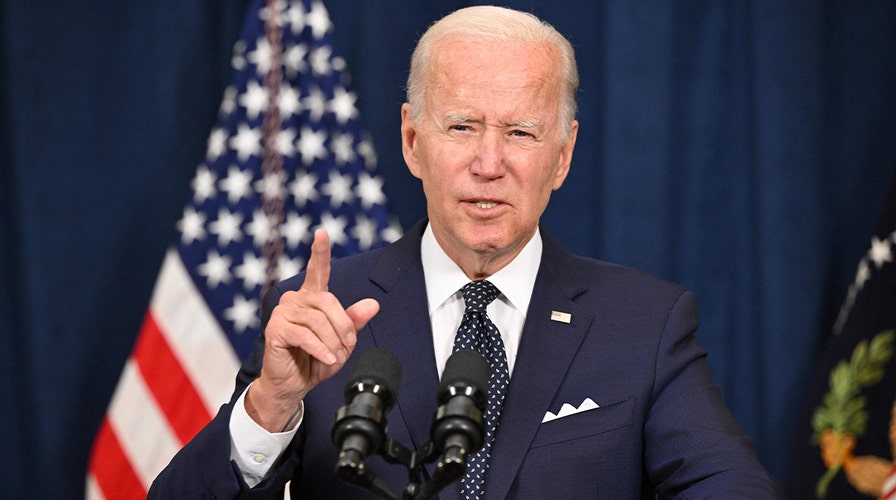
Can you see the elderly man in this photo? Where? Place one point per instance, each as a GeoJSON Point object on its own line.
{"type": "Point", "coordinates": [597, 386]}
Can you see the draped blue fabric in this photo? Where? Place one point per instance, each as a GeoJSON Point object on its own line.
{"type": "Point", "coordinates": [740, 148]}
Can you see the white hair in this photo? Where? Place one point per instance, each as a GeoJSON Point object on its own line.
{"type": "Point", "coordinates": [502, 24]}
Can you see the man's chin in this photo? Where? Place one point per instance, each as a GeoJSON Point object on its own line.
{"type": "Point", "coordinates": [490, 247]}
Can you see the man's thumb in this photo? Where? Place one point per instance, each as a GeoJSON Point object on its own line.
{"type": "Point", "coordinates": [362, 311]}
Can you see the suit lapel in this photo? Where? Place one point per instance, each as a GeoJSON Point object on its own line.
{"type": "Point", "coordinates": [547, 347]}
{"type": "Point", "coordinates": [403, 327]}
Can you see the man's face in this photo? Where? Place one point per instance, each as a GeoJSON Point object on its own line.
{"type": "Point", "coordinates": [488, 147]}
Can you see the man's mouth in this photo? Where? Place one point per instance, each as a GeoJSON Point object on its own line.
{"type": "Point", "coordinates": [485, 204]}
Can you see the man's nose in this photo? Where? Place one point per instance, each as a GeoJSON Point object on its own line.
{"type": "Point", "coordinates": [490, 159]}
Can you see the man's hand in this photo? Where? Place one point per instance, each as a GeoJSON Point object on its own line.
{"type": "Point", "coordinates": [307, 340]}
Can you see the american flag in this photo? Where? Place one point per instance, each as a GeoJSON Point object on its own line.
{"type": "Point", "coordinates": [287, 155]}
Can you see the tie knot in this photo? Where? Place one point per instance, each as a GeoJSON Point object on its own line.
{"type": "Point", "coordinates": [478, 294]}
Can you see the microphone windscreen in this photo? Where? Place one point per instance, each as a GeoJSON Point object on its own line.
{"type": "Point", "coordinates": [379, 365]}
{"type": "Point", "coordinates": [466, 367]}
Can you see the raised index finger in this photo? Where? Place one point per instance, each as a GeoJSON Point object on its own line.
{"type": "Point", "coordinates": [317, 274]}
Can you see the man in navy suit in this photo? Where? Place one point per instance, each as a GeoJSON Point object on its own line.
{"type": "Point", "coordinates": [609, 394]}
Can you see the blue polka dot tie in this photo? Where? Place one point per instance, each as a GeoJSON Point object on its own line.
{"type": "Point", "coordinates": [477, 332]}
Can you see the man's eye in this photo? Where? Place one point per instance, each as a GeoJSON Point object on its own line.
{"type": "Point", "coordinates": [460, 128]}
{"type": "Point", "coordinates": [520, 133]}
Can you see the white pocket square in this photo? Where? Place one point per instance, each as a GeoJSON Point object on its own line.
{"type": "Point", "coordinates": [568, 409]}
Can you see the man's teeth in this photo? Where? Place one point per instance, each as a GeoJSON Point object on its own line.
{"type": "Point", "coordinates": [485, 204]}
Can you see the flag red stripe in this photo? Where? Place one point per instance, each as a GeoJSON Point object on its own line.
{"type": "Point", "coordinates": [111, 467]}
{"type": "Point", "coordinates": [889, 488]}
{"type": "Point", "coordinates": [169, 383]}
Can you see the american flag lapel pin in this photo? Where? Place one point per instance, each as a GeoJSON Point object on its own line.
{"type": "Point", "coordinates": [561, 317]}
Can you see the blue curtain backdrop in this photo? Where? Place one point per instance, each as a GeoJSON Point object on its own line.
{"type": "Point", "coordinates": [741, 148]}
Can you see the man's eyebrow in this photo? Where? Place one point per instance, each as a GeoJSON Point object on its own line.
{"type": "Point", "coordinates": [458, 118]}
{"type": "Point", "coordinates": [531, 123]}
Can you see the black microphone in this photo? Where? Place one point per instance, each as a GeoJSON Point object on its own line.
{"type": "Point", "coordinates": [360, 426]}
{"type": "Point", "coordinates": [458, 430]}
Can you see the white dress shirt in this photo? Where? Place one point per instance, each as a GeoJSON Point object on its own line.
{"type": "Point", "coordinates": [255, 450]}
{"type": "Point", "coordinates": [444, 279]}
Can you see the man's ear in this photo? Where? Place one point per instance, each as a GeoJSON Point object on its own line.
{"type": "Point", "coordinates": [408, 138]}
{"type": "Point", "coordinates": [566, 155]}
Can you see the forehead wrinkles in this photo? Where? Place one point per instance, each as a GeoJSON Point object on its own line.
{"type": "Point", "coordinates": [468, 77]}
{"type": "Point", "coordinates": [502, 65]}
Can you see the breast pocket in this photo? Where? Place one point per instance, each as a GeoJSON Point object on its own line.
{"type": "Point", "coordinates": [600, 420]}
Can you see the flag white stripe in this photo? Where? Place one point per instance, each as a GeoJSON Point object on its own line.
{"type": "Point", "coordinates": [889, 488]}
{"type": "Point", "coordinates": [195, 337]}
{"type": "Point", "coordinates": [144, 433]}
{"type": "Point", "coordinates": [94, 492]}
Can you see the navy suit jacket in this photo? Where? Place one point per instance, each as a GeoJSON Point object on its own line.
{"type": "Point", "coordinates": [661, 426]}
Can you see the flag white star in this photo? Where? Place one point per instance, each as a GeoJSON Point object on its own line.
{"type": "Point", "coordinates": [364, 231]}
{"type": "Point", "coordinates": [287, 267]}
{"type": "Point", "coordinates": [246, 142]}
{"type": "Point", "coordinates": [318, 20]}
{"type": "Point", "coordinates": [191, 226]}
{"type": "Point", "coordinates": [236, 184]}
{"type": "Point", "coordinates": [288, 101]}
{"type": "Point", "coordinates": [227, 227]}
{"type": "Point", "coordinates": [259, 228]}
{"type": "Point", "coordinates": [338, 64]}
{"type": "Point", "coordinates": [215, 269]}
{"type": "Point", "coordinates": [315, 103]}
{"type": "Point", "coordinates": [339, 189]}
{"type": "Point", "coordinates": [881, 252]}
{"type": "Point", "coordinates": [343, 105]}
{"type": "Point", "coordinates": [261, 57]}
{"type": "Point", "coordinates": [203, 184]}
{"type": "Point", "coordinates": [335, 227]}
{"type": "Point", "coordinates": [311, 145]}
{"type": "Point", "coordinates": [296, 229]}
{"type": "Point", "coordinates": [243, 314]}
{"type": "Point", "coordinates": [295, 18]}
{"type": "Point", "coordinates": [270, 187]}
{"type": "Point", "coordinates": [343, 147]}
{"type": "Point", "coordinates": [217, 144]}
{"type": "Point", "coordinates": [228, 103]}
{"type": "Point", "coordinates": [238, 60]}
{"type": "Point", "coordinates": [255, 99]}
{"type": "Point", "coordinates": [391, 233]}
{"type": "Point", "coordinates": [252, 271]}
{"type": "Point", "coordinates": [280, 6]}
{"type": "Point", "coordinates": [320, 60]}
{"type": "Point", "coordinates": [365, 149]}
{"type": "Point", "coordinates": [370, 190]}
{"type": "Point", "coordinates": [284, 142]}
{"type": "Point", "coordinates": [304, 188]}
{"type": "Point", "coordinates": [294, 60]}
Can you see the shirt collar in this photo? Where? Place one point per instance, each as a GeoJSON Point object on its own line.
{"type": "Point", "coordinates": [444, 278]}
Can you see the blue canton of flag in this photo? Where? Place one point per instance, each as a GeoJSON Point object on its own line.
{"type": "Point", "coordinates": [247, 224]}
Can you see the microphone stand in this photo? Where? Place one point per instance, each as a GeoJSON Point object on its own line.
{"type": "Point", "coordinates": [456, 432]}
{"type": "Point", "coordinates": [451, 468]}
{"type": "Point", "coordinates": [351, 468]}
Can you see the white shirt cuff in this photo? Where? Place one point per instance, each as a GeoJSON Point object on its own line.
{"type": "Point", "coordinates": [254, 449]}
